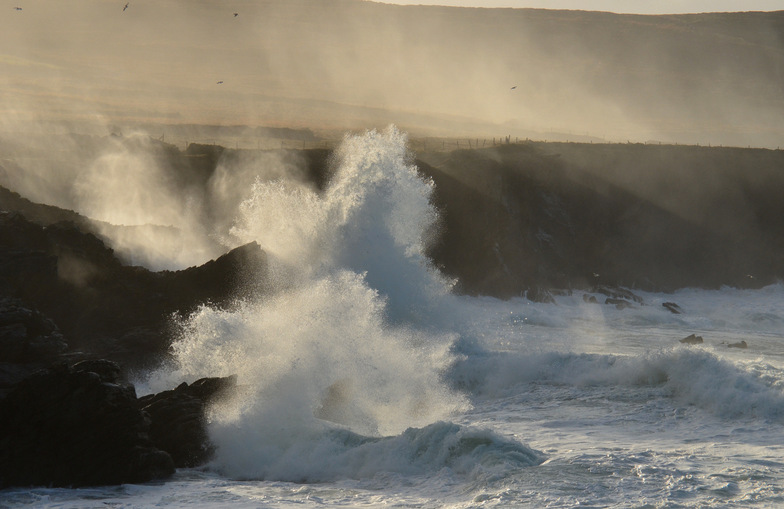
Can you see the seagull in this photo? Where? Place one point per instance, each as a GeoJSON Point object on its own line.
{"type": "Point", "coordinates": [514, 87]}
{"type": "Point", "coordinates": [126, 6]}
{"type": "Point", "coordinates": [18, 8]}
{"type": "Point", "coordinates": [220, 83]}
{"type": "Point", "coordinates": [236, 14]}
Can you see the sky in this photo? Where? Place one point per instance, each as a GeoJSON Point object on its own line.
{"type": "Point", "coordinates": [619, 6]}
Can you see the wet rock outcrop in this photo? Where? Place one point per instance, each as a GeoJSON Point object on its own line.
{"type": "Point", "coordinates": [178, 422]}
{"type": "Point", "coordinates": [28, 341]}
{"type": "Point", "coordinates": [572, 215]}
{"type": "Point", "coordinates": [692, 339]}
{"type": "Point", "coordinates": [82, 424]}
{"type": "Point", "coordinates": [76, 425]}
{"type": "Point", "coordinates": [26, 335]}
{"type": "Point", "coordinates": [102, 307]}
{"type": "Point", "coordinates": [672, 307]}
{"type": "Point", "coordinates": [532, 215]}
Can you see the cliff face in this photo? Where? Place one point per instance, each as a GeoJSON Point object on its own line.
{"type": "Point", "coordinates": [644, 216]}
{"type": "Point", "coordinates": [565, 215]}
{"type": "Point", "coordinates": [102, 306]}
{"type": "Point", "coordinates": [513, 219]}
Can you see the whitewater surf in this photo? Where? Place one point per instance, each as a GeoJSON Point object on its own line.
{"type": "Point", "coordinates": [365, 381]}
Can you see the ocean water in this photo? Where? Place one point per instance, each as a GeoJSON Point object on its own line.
{"type": "Point", "coordinates": [365, 382]}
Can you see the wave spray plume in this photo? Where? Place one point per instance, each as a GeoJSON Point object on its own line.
{"type": "Point", "coordinates": [339, 355]}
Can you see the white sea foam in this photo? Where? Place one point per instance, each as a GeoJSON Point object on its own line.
{"type": "Point", "coordinates": [691, 376]}
{"type": "Point", "coordinates": [352, 371]}
{"type": "Point", "coordinates": [349, 341]}
{"type": "Point", "coordinates": [364, 335]}
{"type": "Point", "coordinates": [341, 454]}
{"type": "Point", "coordinates": [577, 344]}
{"type": "Point", "coordinates": [374, 218]}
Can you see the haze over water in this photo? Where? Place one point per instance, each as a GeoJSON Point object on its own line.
{"type": "Point", "coordinates": [365, 380]}
{"type": "Point", "coordinates": [350, 64]}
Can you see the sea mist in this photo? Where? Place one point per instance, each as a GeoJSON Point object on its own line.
{"type": "Point", "coordinates": [342, 343]}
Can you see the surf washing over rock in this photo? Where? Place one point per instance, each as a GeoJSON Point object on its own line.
{"type": "Point", "coordinates": [364, 378]}
{"type": "Point", "coordinates": [347, 349]}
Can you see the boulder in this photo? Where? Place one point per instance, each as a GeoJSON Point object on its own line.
{"type": "Point", "coordinates": [178, 423]}
{"type": "Point", "coordinates": [672, 308]}
{"type": "Point", "coordinates": [26, 335]}
{"type": "Point", "coordinates": [618, 293]}
{"type": "Point", "coordinates": [692, 339]}
{"type": "Point", "coordinates": [539, 294]}
{"type": "Point", "coordinates": [76, 425]}
{"type": "Point", "coordinates": [103, 307]}
{"type": "Point", "coordinates": [739, 344]}
{"type": "Point", "coordinates": [28, 342]}
{"type": "Point", "coordinates": [619, 303]}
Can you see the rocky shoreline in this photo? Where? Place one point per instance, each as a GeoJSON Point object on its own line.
{"type": "Point", "coordinates": [516, 221]}
{"type": "Point", "coordinates": [74, 323]}
{"type": "Point", "coordinates": [571, 215]}
{"type": "Point", "coordinates": [69, 415]}
{"type": "Point", "coordinates": [82, 425]}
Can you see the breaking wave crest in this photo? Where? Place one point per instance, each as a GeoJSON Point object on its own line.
{"type": "Point", "coordinates": [344, 352]}
{"type": "Point", "coordinates": [342, 454]}
{"type": "Point", "coordinates": [694, 377]}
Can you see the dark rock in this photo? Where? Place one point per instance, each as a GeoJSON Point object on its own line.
{"type": "Point", "coordinates": [28, 342]}
{"type": "Point", "coordinates": [107, 371]}
{"type": "Point", "coordinates": [517, 216]}
{"type": "Point", "coordinates": [672, 307]}
{"type": "Point", "coordinates": [102, 307]}
{"type": "Point", "coordinates": [619, 303]}
{"type": "Point", "coordinates": [618, 293]}
{"type": "Point", "coordinates": [11, 373]}
{"type": "Point", "coordinates": [38, 213]}
{"type": "Point", "coordinates": [208, 389]}
{"type": "Point", "coordinates": [538, 294]}
{"type": "Point", "coordinates": [177, 426]}
{"type": "Point", "coordinates": [76, 426]}
{"type": "Point", "coordinates": [26, 335]}
{"type": "Point", "coordinates": [178, 420]}
{"type": "Point", "coordinates": [514, 216]}
{"type": "Point", "coordinates": [692, 339]}
{"type": "Point", "coordinates": [739, 344]}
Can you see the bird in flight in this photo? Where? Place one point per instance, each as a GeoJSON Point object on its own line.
{"type": "Point", "coordinates": [126, 6]}
{"type": "Point", "coordinates": [18, 8]}
{"type": "Point", "coordinates": [514, 87]}
{"type": "Point", "coordinates": [220, 83]}
{"type": "Point", "coordinates": [236, 14]}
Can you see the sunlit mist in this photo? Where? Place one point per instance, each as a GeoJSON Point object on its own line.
{"type": "Point", "coordinates": [348, 64]}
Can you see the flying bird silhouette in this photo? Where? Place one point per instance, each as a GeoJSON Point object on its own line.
{"type": "Point", "coordinates": [18, 8]}
{"type": "Point", "coordinates": [514, 87]}
{"type": "Point", "coordinates": [126, 6]}
{"type": "Point", "coordinates": [236, 14]}
{"type": "Point", "coordinates": [220, 83]}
